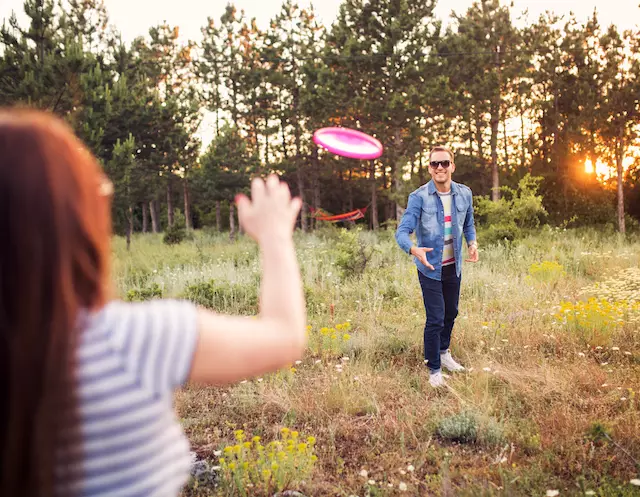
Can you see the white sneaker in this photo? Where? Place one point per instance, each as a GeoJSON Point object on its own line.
{"type": "Point", "coordinates": [436, 379]}
{"type": "Point", "coordinates": [447, 361]}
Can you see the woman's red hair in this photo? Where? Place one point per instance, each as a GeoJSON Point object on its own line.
{"type": "Point", "coordinates": [55, 228]}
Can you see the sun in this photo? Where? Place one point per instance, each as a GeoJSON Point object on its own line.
{"type": "Point", "coordinates": [604, 171]}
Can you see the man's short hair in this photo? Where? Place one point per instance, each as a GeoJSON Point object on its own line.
{"type": "Point", "coordinates": [441, 149]}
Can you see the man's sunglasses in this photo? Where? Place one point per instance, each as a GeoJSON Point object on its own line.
{"type": "Point", "coordinates": [444, 163]}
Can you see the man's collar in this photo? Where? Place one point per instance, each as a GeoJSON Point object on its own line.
{"type": "Point", "coordinates": [431, 188]}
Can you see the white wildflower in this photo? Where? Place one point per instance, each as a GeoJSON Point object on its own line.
{"type": "Point", "coordinates": [552, 493]}
{"type": "Point", "coordinates": [402, 486]}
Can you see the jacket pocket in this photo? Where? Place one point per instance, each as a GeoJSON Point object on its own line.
{"type": "Point", "coordinates": [461, 211]}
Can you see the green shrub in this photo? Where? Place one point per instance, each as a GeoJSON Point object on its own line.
{"type": "Point", "coordinates": [224, 296]}
{"type": "Point", "coordinates": [141, 294]}
{"type": "Point", "coordinates": [461, 427]}
{"type": "Point", "coordinates": [176, 233]}
{"type": "Point", "coordinates": [264, 469]}
{"type": "Point", "coordinates": [546, 272]}
{"type": "Point", "coordinates": [499, 233]}
{"type": "Point", "coordinates": [515, 212]}
{"type": "Point", "coordinates": [353, 253]}
{"type": "Point", "coordinates": [329, 342]}
{"type": "Point", "coordinates": [469, 427]}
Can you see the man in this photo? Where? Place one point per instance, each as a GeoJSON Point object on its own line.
{"type": "Point", "coordinates": [440, 212]}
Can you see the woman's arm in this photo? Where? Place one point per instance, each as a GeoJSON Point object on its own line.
{"type": "Point", "coordinates": [231, 348]}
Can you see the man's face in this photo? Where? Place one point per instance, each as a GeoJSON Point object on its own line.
{"type": "Point", "coordinates": [437, 169]}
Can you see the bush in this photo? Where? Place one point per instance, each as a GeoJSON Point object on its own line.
{"type": "Point", "coordinates": [353, 254]}
{"type": "Point", "coordinates": [224, 296]}
{"type": "Point", "coordinates": [177, 233]}
{"type": "Point", "coordinates": [595, 320]}
{"type": "Point", "coordinates": [469, 427]}
{"type": "Point", "coordinates": [280, 465]}
{"type": "Point", "coordinates": [546, 272]}
{"type": "Point", "coordinates": [516, 211]}
{"type": "Point", "coordinates": [499, 233]}
{"type": "Point", "coordinates": [141, 294]}
{"type": "Point", "coordinates": [329, 342]}
{"type": "Point", "coordinates": [461, 427]}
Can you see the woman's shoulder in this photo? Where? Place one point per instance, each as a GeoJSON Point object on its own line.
{"type": "Point", "coordinates": [118, 310]}
{"type": "Point", "coordinates": [154, 339]}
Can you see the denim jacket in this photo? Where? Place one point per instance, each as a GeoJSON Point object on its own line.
{"type": "Point", "coordinates": [425, 216]}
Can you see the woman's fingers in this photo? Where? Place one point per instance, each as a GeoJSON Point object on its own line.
{"type": "Point", "coordinates": [257, 189]}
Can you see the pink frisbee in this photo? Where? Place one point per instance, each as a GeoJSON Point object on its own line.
{"type": "Point", "coordinates": [348, 143]}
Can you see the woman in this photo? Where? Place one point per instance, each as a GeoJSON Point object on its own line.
{"type": "Point", "coordinates": [86, 382]}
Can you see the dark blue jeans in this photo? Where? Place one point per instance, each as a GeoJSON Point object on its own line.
{"type": "Point", "coordinates": [441, 305]}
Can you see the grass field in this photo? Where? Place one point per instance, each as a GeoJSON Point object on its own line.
{"type": "Point", "coordinates": [550, 403]}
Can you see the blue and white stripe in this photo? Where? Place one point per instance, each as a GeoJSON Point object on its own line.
{"type": "Point", "coordinates": [131, 358]}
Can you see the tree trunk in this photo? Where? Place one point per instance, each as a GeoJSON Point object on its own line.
{"type": "Point", "coordinates": [374, 200]}
{"type": "Point", "coordinates": [169, 204]}
{"type": "Point", "coordinates": [218, 216]}
{"type": "Point", "coordinates": [300, 178]}
{"type": "Point", "coordinates": [153, 209]}
{"type": "Point", "coordinates": [479, 139]}
{"type": "Point", "coordinates": [470, 136]}
{"type": "Point", "coordinates": [495, 177]}
{"type": "Point", "coordinates": [266, 143]}
{"type": "Point", "coordinates": [495, 121]}
{"type": "Point", "coordinates": [619, 164]}
{"type": "Point", "coordinates": [555, 145]}
{"type": "Point", "coordinates": [522, 138]}
{"type": "Point", "coordinates": [145, 217]}
{"type": "Point", "coordinates": [506, 144]}
{"type": "Point", "coordinates": [187, 205]}
{"type": "Point", "coordinates": [350, 190]}
{"type": "Point", "coordinates": [316, 183]}
{"type": "Point", "coordinates": [129, 226]}
{"type": "Point", "coordinates": [232, 221]}
{"type": "Point", "coordinates": [397, 173]}
{"type": "Point", "coordinates": [421, 175]}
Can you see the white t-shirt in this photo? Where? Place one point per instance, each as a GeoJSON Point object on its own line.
{"type": "Point", "coordinates": [448, 254]}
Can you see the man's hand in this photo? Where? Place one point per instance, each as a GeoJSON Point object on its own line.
{"type": "Point", "coordinates": [421, 254]}
{"type": "Point", "coordinates": [473, 253]}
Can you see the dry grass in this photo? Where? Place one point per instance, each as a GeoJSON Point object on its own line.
{"type": "Point", "coordinates": [534, 392]}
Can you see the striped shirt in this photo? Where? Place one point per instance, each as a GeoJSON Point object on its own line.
{"type": "Point", "coordinates": [131, 358]}
{"type": "Point", "coordinates": [448, 254]}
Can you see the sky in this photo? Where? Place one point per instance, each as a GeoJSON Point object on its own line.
{"type": "Point", "coordinates": [134, 17]}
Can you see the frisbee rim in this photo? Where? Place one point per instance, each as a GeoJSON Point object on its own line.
{"type": "Point", "coordinates": [339, 130]}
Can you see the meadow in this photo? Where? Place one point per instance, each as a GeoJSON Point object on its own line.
{"type": "Point", "coordinates": [549, 327]}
